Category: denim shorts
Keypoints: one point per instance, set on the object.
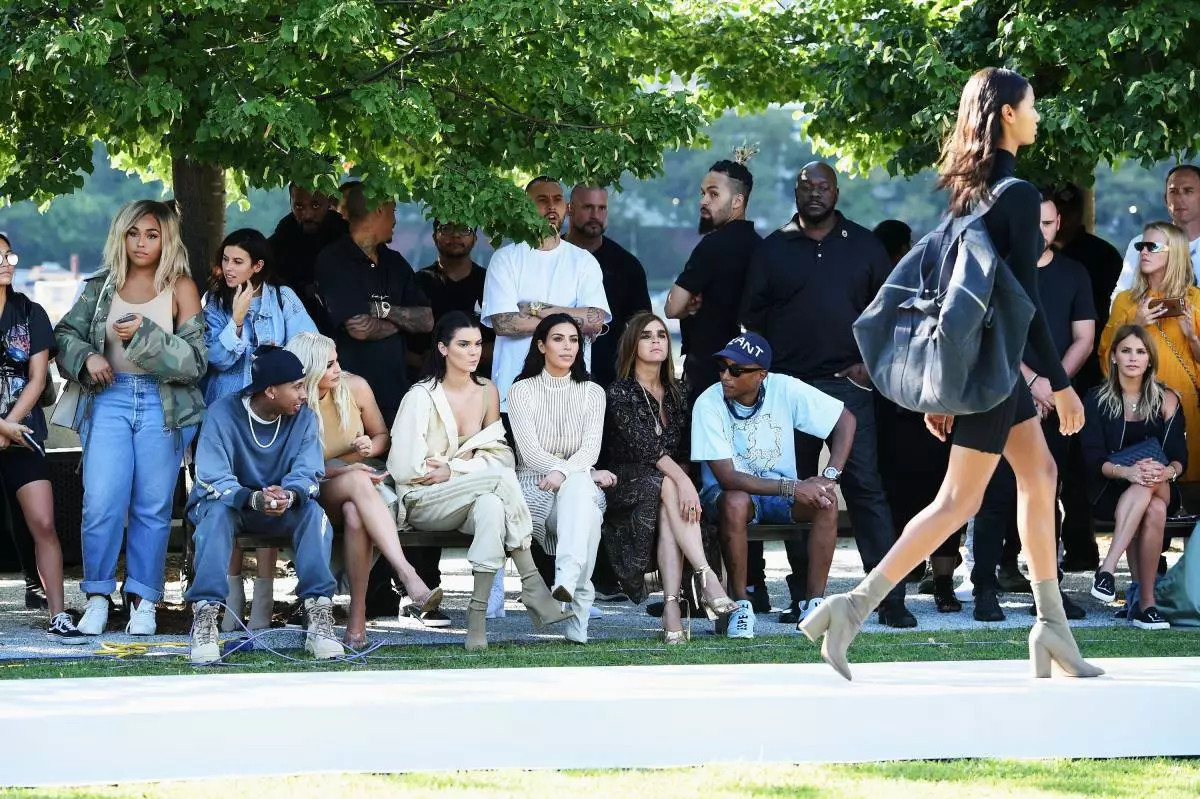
(767, 509)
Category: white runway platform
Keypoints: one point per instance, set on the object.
(377, 721)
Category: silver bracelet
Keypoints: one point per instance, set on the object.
(787, 488)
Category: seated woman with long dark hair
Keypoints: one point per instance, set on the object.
(352, 431)
(654, 510)
(557, 417)
(1134, 446)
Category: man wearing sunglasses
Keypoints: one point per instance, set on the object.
(743, 437)
(1182, 198)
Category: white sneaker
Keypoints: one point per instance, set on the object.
(495, 608)
(741, 621)
(594, 613)
(966, 589)
(806, 608)
(142, 618)
(320, 641)
(206, 647)
(95, 616)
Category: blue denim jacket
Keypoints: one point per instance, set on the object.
(274, 318)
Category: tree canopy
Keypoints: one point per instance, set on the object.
(441, 101)
(880, 79)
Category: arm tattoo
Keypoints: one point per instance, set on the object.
(415, 319)
(508, 324)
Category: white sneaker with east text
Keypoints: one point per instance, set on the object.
(741, 621)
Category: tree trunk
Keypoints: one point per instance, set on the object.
(1089, 209)
(200, 191)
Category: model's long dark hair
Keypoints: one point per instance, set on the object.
(443, 333)
(258, 248)
(627, 354)
(535, 361)
(968, 153)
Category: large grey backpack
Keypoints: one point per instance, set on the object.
(947, 331)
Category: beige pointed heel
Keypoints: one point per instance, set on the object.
(1050, 640)
(837, 621)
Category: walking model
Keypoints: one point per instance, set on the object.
(996, 117)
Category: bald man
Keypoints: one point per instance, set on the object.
(806, 285)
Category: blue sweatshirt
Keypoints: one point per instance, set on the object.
(232, 463)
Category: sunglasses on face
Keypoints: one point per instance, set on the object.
(9, 257)
(455, 230)
(735, 370)
(1150, 246)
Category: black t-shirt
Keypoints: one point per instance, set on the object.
(1103, 264)
(347, 282)
(804, 295)
(24, 332)
(717, 271)
(295, 261)
(625, 287)
(1066, 293)
(446, 295)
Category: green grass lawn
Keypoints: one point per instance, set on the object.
(869, 648)
(958, 779)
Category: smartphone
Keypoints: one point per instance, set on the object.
(1174, 306)
(34, 444)
(129, 317)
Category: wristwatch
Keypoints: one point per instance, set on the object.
(832, 473)
(535, 308)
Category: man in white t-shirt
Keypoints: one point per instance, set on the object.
(1182, 197)
(743, 437)
(524, 284)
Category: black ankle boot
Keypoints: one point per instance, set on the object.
(35, 596)
(943, 595)
(987, 605)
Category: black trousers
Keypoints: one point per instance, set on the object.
(861, 484)
(996, 522)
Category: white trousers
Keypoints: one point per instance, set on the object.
(480, 516)
(575, 521)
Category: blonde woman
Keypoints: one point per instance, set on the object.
(1165, 301)
(352, 430)
(134, 341)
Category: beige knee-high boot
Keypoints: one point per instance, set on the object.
(841, 617)
(1051, 638)
(543, 608)
(477, 611)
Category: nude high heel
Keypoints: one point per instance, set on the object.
(839, 618)
(543, 609)
(1050, 640)
(477, 611)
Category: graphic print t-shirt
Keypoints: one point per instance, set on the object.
(24, 332)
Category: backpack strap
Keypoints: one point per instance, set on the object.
(994, 193)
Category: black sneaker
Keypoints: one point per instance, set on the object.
(1150, 619)
(1012, 581)
(1070, 609)
(791, 615)
(1104, 587)
(1079, 563)
(987, 606)
(430, 618)
(35, 597)
(62, 629)
(895, 614)
(943, 595)
(611, 593)
(760, 600)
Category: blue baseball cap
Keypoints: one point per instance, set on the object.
(272, 366)
(748, 349)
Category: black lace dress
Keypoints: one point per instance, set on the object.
(631, 450)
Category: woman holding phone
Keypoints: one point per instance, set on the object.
(26, 346)
(134, 343)
(1165, 301)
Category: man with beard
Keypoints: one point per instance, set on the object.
(624, 276)
(313, 225)
(524, 284)
(806, 285)
(453, 282)
(706, 294)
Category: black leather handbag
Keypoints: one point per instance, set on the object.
(1147, 448)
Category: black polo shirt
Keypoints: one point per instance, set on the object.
(625, 287)
(804, 295)
(446, 295)
(347, 281)
(716, 270)
(1066, 292)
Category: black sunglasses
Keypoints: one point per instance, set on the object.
(735, 370)
(1151, 246)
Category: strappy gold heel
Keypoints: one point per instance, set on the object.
(714, 608)
(673, 637)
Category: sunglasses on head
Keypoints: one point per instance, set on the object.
(1150, 246)
(735, 370)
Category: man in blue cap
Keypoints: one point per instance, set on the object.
(742, 435)
(258, 468)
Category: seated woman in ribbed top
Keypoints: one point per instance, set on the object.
(557, 418)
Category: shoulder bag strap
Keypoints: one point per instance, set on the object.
(1179, 357)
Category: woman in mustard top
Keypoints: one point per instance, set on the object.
(1165, 273)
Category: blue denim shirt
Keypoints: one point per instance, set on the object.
(274, 318)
